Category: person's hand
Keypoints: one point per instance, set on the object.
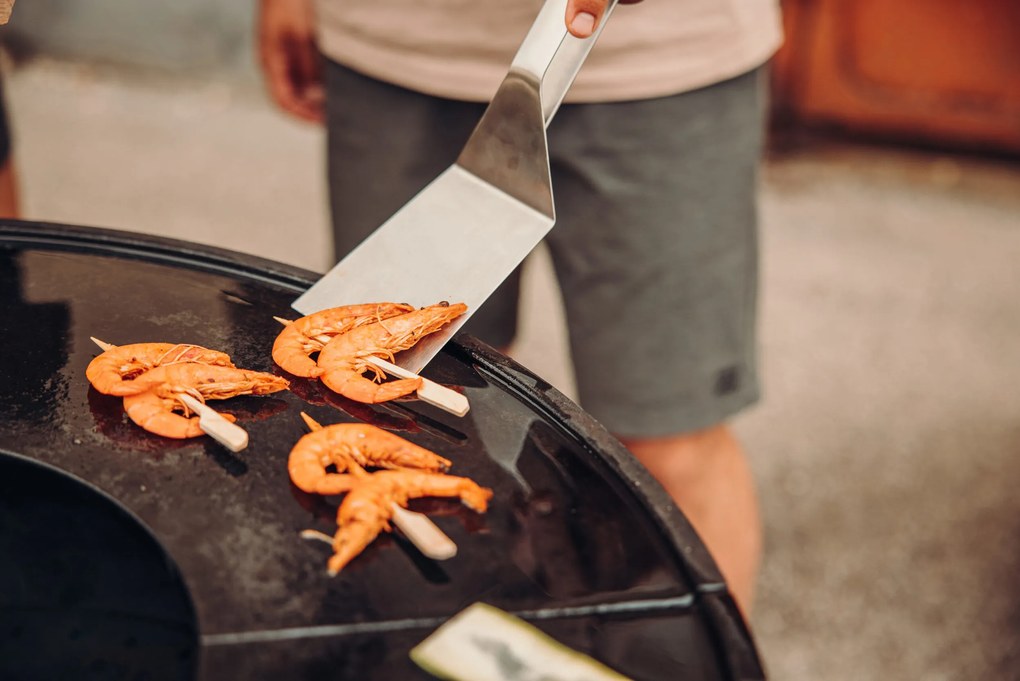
(584, 15)
(290, 61)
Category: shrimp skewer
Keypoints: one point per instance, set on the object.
(429, 391)
(111, 372)
(368, 521)
(341, 443)
(376, 499)
(307, 335)
(345, 358)
(219, 427)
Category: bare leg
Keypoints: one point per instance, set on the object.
(707, 474)
(9, 205)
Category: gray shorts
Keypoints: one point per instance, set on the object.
(655, 246)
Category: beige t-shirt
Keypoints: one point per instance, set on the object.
(461, 49)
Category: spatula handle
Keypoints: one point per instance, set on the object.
(551, 55)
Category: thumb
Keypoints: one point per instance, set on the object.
(584, 15)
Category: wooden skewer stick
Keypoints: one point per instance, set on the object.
(435, 394)
(103, 345)
(230, 435)
(318, 536)
(417, 527)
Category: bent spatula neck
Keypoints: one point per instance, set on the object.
(508, 148)
(552, 56)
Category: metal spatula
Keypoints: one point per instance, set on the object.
(462, 235)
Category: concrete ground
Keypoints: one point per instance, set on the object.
(886, 445)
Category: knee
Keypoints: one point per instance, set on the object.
(688, 455)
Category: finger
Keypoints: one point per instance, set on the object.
(277, 73)
(309, 78)
(314, 105)
(583, 16)
(278, 63)
(309, 107)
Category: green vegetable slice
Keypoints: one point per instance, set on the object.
(484, 643)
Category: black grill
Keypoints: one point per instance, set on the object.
(578, 538)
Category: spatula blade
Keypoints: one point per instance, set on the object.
(457, 240)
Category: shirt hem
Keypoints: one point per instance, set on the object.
(438, 80)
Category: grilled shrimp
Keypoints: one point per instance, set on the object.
(111, 372)
(156, 415)
(305, 336)
(211, 382)
(367, 509)
(342, 361)
(366, 445)
(152, 409)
